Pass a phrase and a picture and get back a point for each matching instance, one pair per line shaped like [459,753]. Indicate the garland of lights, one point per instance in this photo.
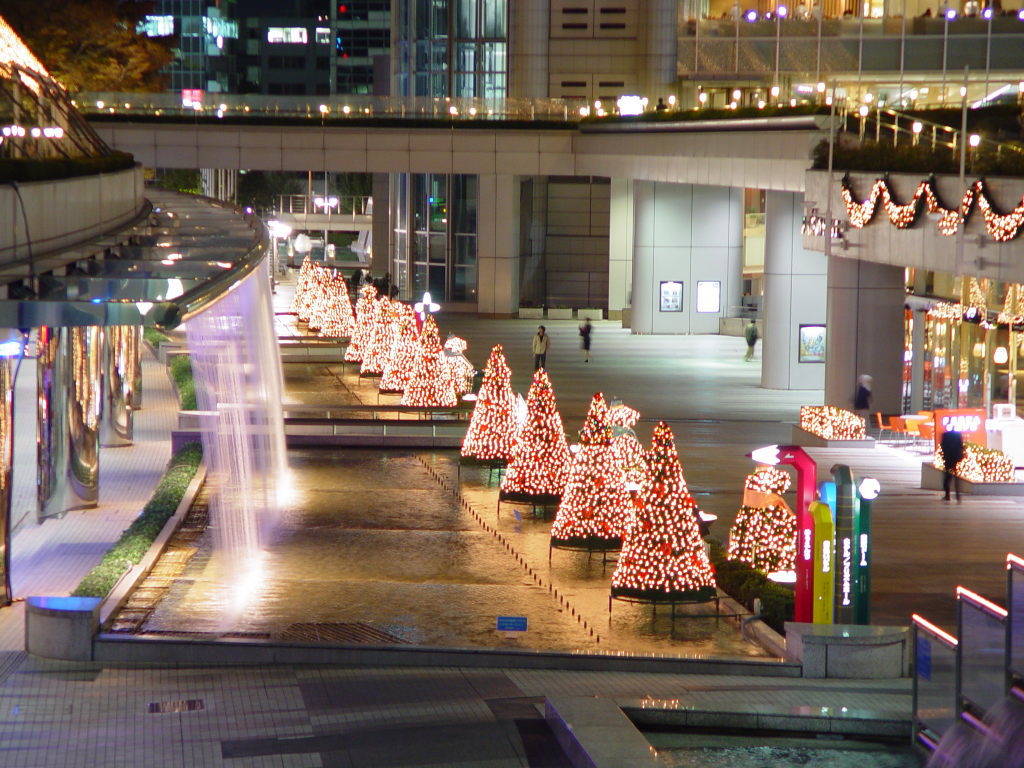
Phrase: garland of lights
[980,465]
[492,429]
[429,386]
[764,533]
[540,464]
[1000,227]
[831,423]
[663,557]
[596,509]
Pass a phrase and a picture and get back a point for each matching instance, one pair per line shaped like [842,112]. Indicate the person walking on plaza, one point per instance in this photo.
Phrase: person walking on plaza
[585,330]
[751,335]
[952,444]
[862,397]
[541,342]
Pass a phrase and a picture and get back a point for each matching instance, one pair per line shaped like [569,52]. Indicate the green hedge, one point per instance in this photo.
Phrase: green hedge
[136,540]
[47,169]
[154,337]
[880,157]
[744,583]
[181,372]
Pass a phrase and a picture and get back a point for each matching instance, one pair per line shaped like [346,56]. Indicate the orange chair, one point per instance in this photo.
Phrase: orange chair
[898,426]
[882,426]
[926,430]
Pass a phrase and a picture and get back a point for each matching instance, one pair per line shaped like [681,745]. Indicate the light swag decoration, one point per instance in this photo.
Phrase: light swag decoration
[764,533]
[1000,227]
[831,423]
[596,508]
[540,465]
[663,558]
[492,430]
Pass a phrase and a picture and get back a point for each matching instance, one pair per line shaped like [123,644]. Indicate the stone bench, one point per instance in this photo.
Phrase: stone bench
[849,650]
[61,627]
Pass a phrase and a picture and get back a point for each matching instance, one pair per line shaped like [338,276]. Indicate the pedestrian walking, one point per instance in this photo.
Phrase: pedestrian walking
[585,330]
[751,335]
[863,396]
[952,445]
[541,343]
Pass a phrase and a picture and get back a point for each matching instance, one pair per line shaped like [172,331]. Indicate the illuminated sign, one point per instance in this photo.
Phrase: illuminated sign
[969,422]
[847,581]
[671,296]
[826,557]
[709,296]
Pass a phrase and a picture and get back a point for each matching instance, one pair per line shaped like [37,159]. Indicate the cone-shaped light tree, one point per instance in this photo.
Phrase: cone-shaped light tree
[765,531]
[492,430]
[596,507]
[663,558]
[320,278]
[627,450]
[402,356]
[338,319]
[430,385]
[365,309]
[301,286]
[540,465]
[379,342]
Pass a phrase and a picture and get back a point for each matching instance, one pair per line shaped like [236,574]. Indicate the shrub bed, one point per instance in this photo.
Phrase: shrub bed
[47,169]
[136,540]
[181,373]
[744,583]
[154,337]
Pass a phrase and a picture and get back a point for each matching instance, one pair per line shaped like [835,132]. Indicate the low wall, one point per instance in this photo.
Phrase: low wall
[65,212]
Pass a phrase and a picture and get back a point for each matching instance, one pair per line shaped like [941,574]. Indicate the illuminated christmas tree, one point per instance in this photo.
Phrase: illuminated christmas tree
[460,370]
[540,465]
[764,533]
[663,557]
[596,508]
[402,356]
[301,286]
[320,278]
[381,335]
[628,452]
[430,384]
[338,319]
[492,430]
[365,309]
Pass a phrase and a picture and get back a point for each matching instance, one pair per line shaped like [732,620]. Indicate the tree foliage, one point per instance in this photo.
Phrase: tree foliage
[92,45]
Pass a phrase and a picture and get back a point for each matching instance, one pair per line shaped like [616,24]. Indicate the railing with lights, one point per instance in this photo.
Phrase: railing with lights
[974,678]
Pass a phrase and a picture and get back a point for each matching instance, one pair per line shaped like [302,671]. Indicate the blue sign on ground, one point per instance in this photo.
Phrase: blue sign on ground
[924,658]
[511,623]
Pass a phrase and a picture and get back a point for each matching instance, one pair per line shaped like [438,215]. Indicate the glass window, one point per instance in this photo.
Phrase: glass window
[287,35]
[464,284]
[438,249]
[464,203]
[156,26]
[465,57]
[323,36]
[494,12]
[465,250]
[465,19]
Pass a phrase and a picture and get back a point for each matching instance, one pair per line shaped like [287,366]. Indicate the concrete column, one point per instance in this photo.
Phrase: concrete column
[381,229]
[497,260]
[794,295]
[70,385]
[528,58]
[865,332]
[659,47]
[685,234]
[620,247]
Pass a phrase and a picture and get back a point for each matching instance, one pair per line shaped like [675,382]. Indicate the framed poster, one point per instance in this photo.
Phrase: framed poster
[812,344]
[671,296]
[709,296]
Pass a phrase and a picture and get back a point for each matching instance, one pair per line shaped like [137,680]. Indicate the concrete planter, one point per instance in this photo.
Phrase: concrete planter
[849,650]
[559,314]
[590,314]
[627,317]
[931,480]
[531,313]
[810,440]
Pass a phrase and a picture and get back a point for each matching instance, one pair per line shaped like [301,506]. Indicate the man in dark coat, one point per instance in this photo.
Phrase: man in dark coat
[952,444]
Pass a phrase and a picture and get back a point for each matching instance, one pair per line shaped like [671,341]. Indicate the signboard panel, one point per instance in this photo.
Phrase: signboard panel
[969,422]
[511,624]
[671,296]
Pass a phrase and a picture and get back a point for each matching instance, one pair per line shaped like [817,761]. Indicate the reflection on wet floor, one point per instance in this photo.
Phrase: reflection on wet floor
[370,538]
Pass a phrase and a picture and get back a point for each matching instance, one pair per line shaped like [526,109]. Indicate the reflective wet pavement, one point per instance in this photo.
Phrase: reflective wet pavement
[371,537]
